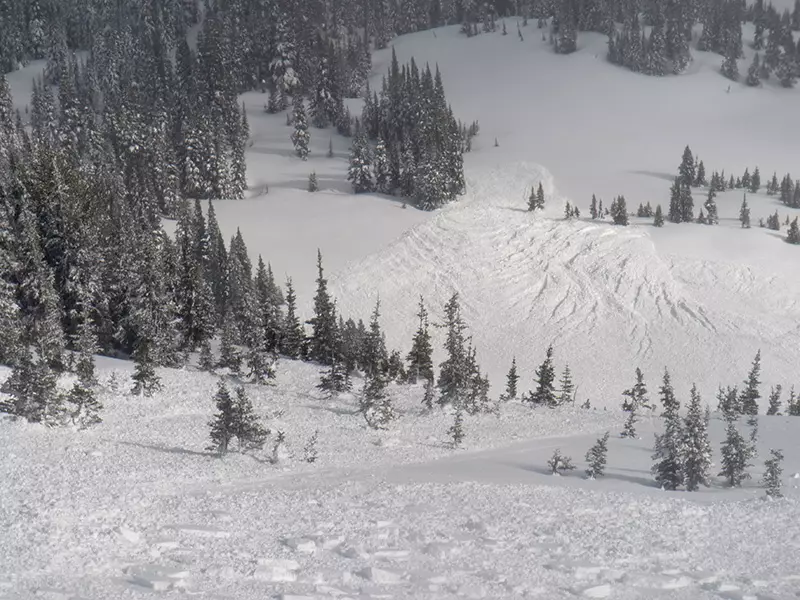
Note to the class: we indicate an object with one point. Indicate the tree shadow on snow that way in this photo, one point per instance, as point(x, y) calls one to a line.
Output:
point(336, 410)
point(169, 449)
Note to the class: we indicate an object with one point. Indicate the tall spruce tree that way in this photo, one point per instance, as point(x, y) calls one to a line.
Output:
point(750, 393)
point(544, 394)
point(292, 336)
point(419, 359)
point(772, 474)
point(735, 456)
point(596, 458)
point(453, 378)
point(668, 455)
point(512, 379)
point(696, 446)
point(322, 343)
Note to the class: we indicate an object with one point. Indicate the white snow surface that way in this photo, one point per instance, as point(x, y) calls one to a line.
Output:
point(138, 508)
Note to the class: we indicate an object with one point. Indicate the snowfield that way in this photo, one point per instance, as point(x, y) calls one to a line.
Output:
point(138, 508)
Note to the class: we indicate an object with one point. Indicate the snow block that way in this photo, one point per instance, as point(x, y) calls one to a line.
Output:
point(276, 570)
point(380, 576)
point(302, 545)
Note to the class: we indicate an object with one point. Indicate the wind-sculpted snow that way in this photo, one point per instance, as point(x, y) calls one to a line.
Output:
point(604, 296)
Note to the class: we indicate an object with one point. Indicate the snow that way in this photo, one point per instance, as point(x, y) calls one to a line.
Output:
point(138, 507)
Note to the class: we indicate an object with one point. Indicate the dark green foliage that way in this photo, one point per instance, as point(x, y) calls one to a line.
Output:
point(511, 382)
point(772, 474)
point(596, 458)
point(744, 214)
point(83, 405)
point(750, 394)
point(793, 235)
point(696, 446)
point(322, 343)
point(668, 455)
point(292, 335)
point(629, 429)
point(636, 397)
point(300, 136)
point(145, 379)
point(235, 418)
point(544, 394)
point(374, 356)
point(456, 431)
point(313, 186)
point(775, 400)
point(735, 456)
point(566, 387)
point(310, 453)
point(619, 211)
point(658, 218)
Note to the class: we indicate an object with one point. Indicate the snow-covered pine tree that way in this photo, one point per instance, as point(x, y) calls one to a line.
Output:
point(532, 205)
point(775, 400)
point(629, 429)
point(711, 208)
point(735, 454)
point(300, 136)
point(593, 207)
point(511, 382)
point(375, 404)
point(395, 370)
point(229, 355)
point(249, 432)
point(668, 465)
point(223, 426)
point(596, 458)
point(456, 431)
point(544, 394)
point(145, 379)
point(772, 474)
point(793, 235)
point(744, 214)
point(559, 464)
point(419, 359)
point(750, 394)
point(566, 387)
point(730, 67)
point(696, 446)
point(84, 407)
point(453, 379)
point(292, 336)
point(540, 196)
point(374, 355)
point(359, 173)
point(636, 397)
point(619, 211)
point(322, 343)
point(313, 185)
point(658, 219)
point(755, 181)
point(380, 168)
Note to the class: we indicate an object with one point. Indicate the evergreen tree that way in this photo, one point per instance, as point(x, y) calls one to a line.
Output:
point(593, 207)
point(145, 379)
point(84, 406)
point(744, 214)
point(596, 458)
point(300, 135)
point(360, 171)
point(456, 431)
point(793, 404)
point(668, 466)
point(772, 474)
point(453, 382)
point(374, 356)
point(696, 446)
point(730, 67)
point(322, 343)
point(376, 405)
point(511, 382)
point(380, 168)
point(687, 168)
point(566, 387)
point(223, 426)
point(419, 359)
point(532, 204)
point(700, 175)
point(229, 355)
point(32, 386)
point(793, 235)
point(735, 454)
point(658, 220)
point(249, 432)
point(629, 429)
point(559, 464)
point(313, 186)
point(775, 400)
point(292, 335)
point(755, 181)
point(711, 207)
point(619, 211)
point(750, 394)
point(636, 397)
point(540, 196)
point(545, 394)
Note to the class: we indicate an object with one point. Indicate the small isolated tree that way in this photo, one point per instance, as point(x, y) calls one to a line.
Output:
point(636, 397)
point(310, 450)
point(559, 464)
point(793, 235)
point(456, 431)
point(532, 204)
point(145, 379)
point(744, 214)
point(658, 219)
point(313, 186)
point(772, 474)
point(775, 400)
point(593, 207)
point(545, 394)
point(511, 382)
point(540, 196)
point(629, 429)
point(619, 211)
point(596, 458)
point(696, 447)
point(735, 456)
point(566, 389)
point(375, 404)
point(223, 426)
point(420, 361)
point(750, 393)
point(249, 432)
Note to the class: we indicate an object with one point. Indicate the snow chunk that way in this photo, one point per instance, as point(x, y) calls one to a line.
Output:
point(381, 576)
point(598, 591)
point(129, 534)
point(276, 570)
point(201, 530)
point(158, 578)
point(302, 545)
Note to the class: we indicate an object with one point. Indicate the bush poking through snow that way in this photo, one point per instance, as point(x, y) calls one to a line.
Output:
point(772, 474)
point(310, 450)
point(456, 432)
point(596, 457)
point(558, 464)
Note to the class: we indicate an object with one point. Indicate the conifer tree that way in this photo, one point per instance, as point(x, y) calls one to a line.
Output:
point(793, 235)
point(206, 361)
point(793, 404)
point(32, 386)
point(300, 136)
point(419, 359)
point(744, 214)
point(456, 431)
point(686, 170)
point(730, 67)
point(668, 466)
point(223, 426)
point(658, 219)
point(249, 432)
point(313, 186)
point(636, 397)
point(566, 387)
point(310, 454)
point(545, 394)
point(772, 474)
point(629, 429)
point(540, 196)
point(735, 454)
point(375, 404)
point(559, 463)
point(511, 382)
point(696, 446)
point(619, 211)
point(380, 168)
point(84, 407)
point(453, 379)
point(229, 355)
point(145, 379)
point(750, 394)
point(755, 181)
point(593, 207)
point(775, 400)
point(359, 173)
point(596, 458)
point(292, 335)
point(430, 394)
point(322, 343)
